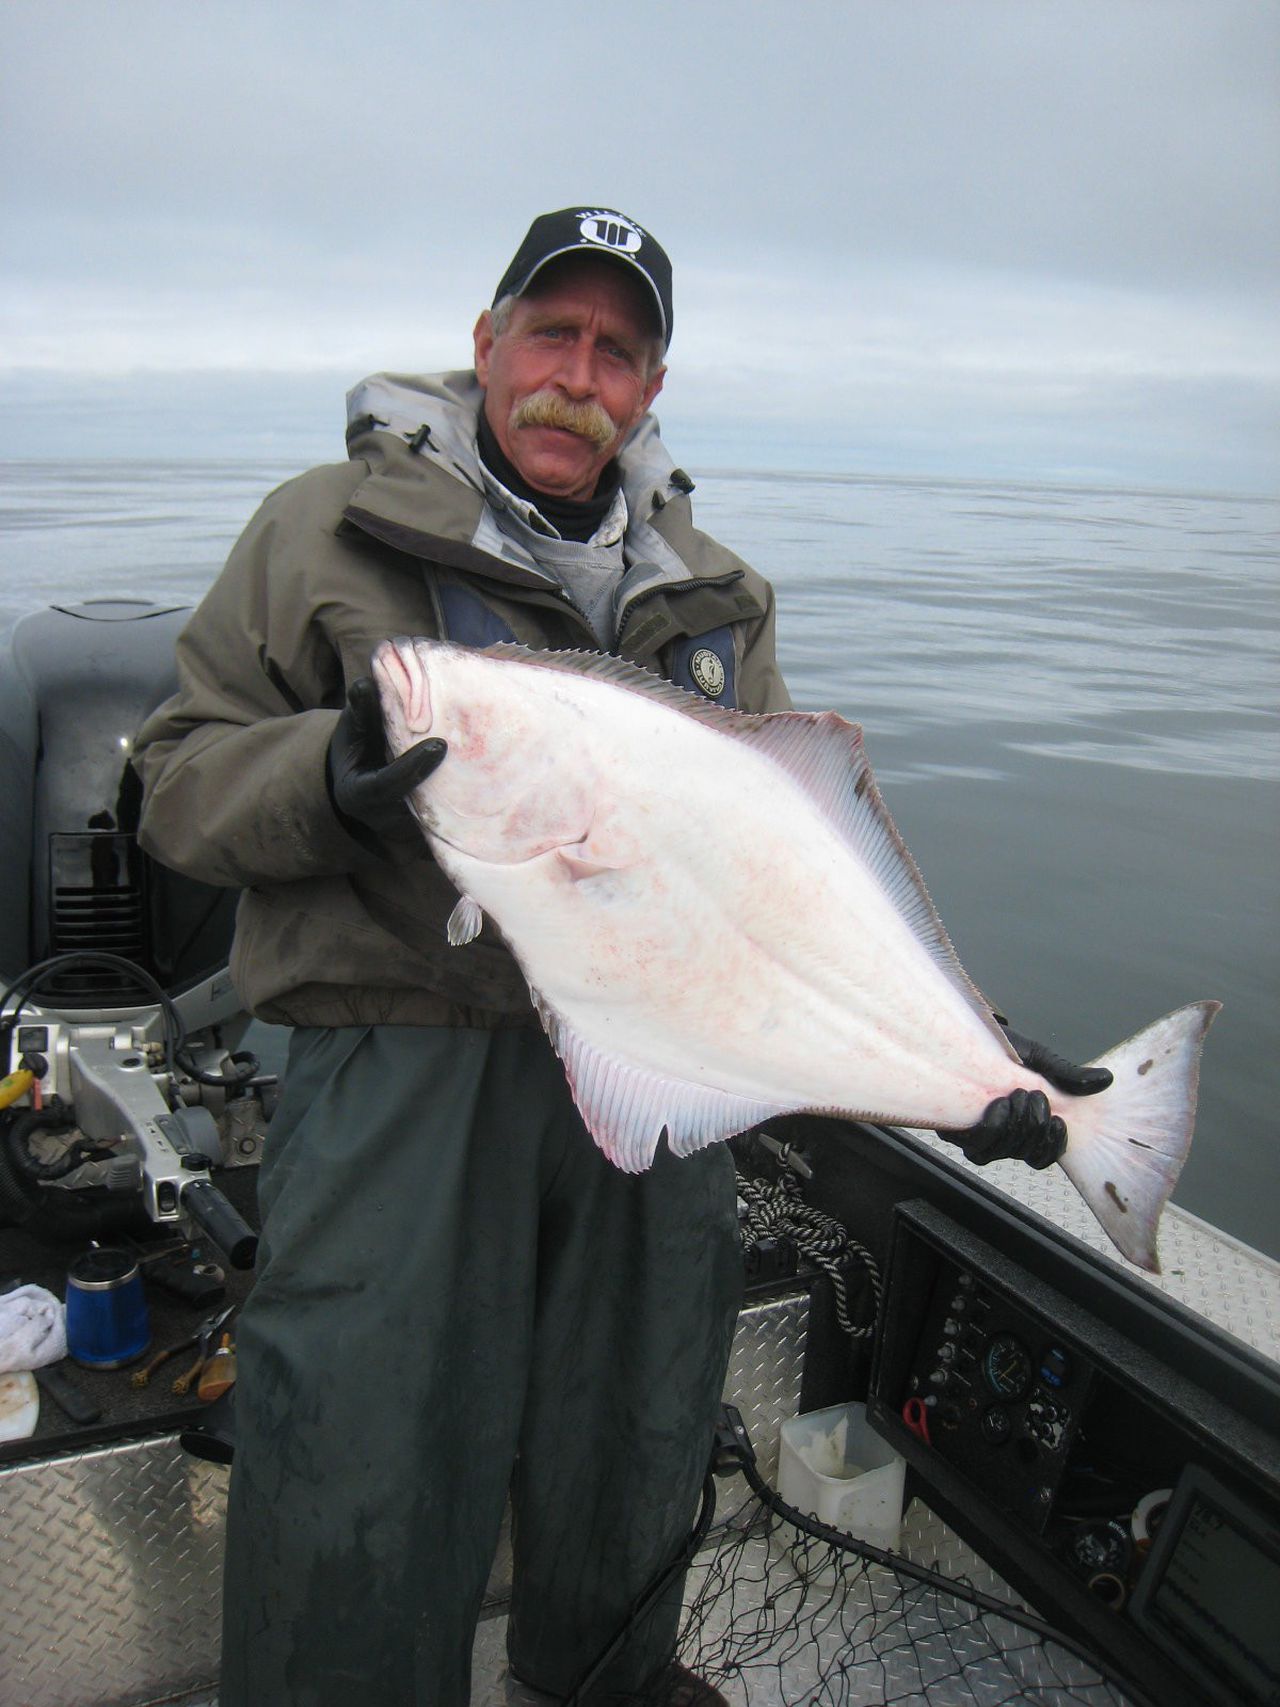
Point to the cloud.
(996, 208)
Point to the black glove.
(367, 792)
(1020, 1125)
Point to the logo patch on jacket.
(707, 671)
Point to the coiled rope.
(777, 1211)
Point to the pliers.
(206, 1342)
(204, 1338)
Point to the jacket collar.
(425, 492)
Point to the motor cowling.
(75, 685)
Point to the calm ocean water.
(1070, 697)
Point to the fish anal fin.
(1127, 1144)
(626, 1108)
(465, 922)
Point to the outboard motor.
(117, 1009)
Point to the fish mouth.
(401, 673)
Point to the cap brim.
(606, 255)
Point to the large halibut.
(719, 922)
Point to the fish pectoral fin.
(626, 1107)
(579, 861)
(465, 922)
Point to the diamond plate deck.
(882, 1667)
(77, 1631)
(110, 1576)
(765, 1370)
(110, 1561)
(912, 1654)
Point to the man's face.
(581, 340)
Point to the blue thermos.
(107, 1320)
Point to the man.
(457, 1294)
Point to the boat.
(1088, 1503)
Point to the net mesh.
(778, 1615)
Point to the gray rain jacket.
(233, 765)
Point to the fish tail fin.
(1126, 1145)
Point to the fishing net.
(783, 1611)
(779, 1613)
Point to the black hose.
(20, 1171)
(61, 1216)
(17, 1204)
(654, 1590)
(53, 1117)
(22, 1163)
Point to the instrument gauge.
(996, 1425)
(1100, 1547)
(1007, 1366)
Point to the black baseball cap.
(596, 231)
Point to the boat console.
(1134, 1498)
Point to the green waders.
(458, 1295)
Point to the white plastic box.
(832, 1465)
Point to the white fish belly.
(764, 960)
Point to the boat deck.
(912, 1650)
(76, 1635)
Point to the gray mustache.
(549, 409)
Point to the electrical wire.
(175, 1053)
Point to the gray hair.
(500, 320)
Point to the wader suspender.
(705, 664)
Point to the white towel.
(33, 1329)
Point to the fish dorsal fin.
(824, 754)
(621, 673)
(626, 1107)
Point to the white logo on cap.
(610, 230)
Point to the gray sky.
(1021, 237)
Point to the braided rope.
(775, 1211)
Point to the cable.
(652, 1592)
(176, 1056)
(25, 986)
